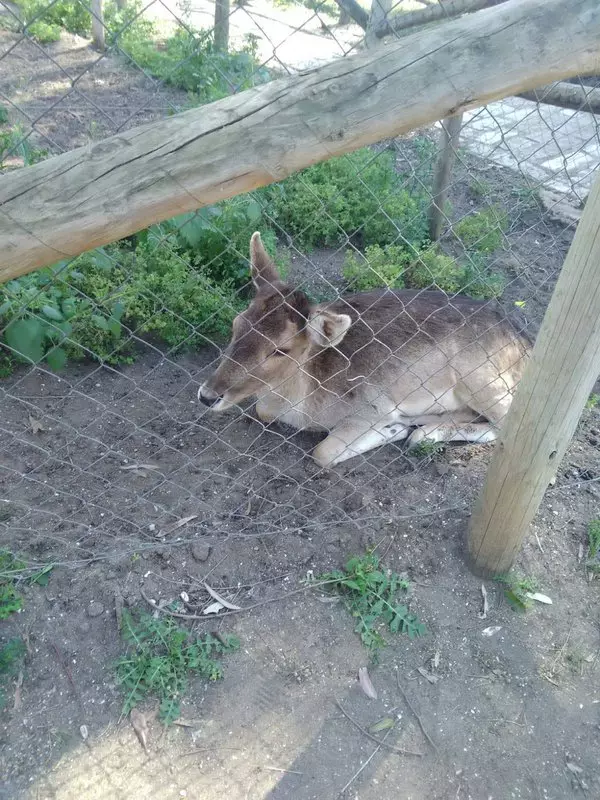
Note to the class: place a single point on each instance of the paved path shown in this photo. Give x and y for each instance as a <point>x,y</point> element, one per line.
<point>556,148</point>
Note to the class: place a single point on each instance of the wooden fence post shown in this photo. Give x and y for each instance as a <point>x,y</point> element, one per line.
<point>221,32</point>
<point>550,398</point>
<point>380,10</point>
<point>98,32</point>
<point>448,143</point>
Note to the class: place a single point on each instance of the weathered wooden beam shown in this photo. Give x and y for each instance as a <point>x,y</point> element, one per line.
<point>445,9</point>
<point>559,377</point>
<point>566,95</point>
<point>111,189</point>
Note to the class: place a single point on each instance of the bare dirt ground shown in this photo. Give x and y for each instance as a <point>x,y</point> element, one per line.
<point>514,715</point>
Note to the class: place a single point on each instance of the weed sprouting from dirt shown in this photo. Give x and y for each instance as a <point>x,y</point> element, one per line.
<point>370,595</point>
<point>516,588</point>
<point>12,655</point>
<point>593,553</point>
<point>160,656</point>
<point>593,401</point>
<point>12,571</point>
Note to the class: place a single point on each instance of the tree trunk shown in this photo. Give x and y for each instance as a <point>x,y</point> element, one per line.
<point>222,25</point>
<point>449,138</point>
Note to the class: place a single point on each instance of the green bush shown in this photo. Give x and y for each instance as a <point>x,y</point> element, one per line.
<point>483,230</point>
<point>42,17</point>
<point>218,236</point>
<point>83,309</point>
<point>358,195</point>
<point>189,61</point>
<point>380,267</point>
<point>436,270</point>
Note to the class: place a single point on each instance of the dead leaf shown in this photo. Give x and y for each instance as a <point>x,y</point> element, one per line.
<point>179,524</point>
<point>435,662</point>
<point>213,608</point>
<point>383,724</point>
<point>574,768</point>
<point>141,470</point>
<point>326,599</point>
<point>541,598</point>
<point>427,675</point>
<point>17,699</point>
<point>580,553</point>
<point>216,596</point>
<point>83,730</point>
<point>483,614</point>
<point>491,630</point>
<point>365,683</point>
<point>185,597</point>
<point>140,726</point>
<point>36,425</point>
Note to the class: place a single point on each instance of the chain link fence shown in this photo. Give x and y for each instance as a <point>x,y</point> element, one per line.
<point>107,451</point>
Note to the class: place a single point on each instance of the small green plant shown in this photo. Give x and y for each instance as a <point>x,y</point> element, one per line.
<point>12,655</point>
<point>483,230</point>
<point>593,401</point>
<point>12,571</point>
<point>480,188</point>
<point>381,266</point>
<point>359,195</point>
<point>370,595</point>
<point>427,449</point>
<point>160,656</point>
<point>516,588</point>
<point>593,553</point>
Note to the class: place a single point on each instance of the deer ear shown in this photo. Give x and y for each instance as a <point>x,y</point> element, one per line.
<point>327,329</point>
<point>262,268</point>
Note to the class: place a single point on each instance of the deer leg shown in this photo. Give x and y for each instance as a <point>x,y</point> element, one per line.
<point>353,437</point>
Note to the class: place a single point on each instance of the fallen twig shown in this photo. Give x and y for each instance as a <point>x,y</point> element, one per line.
<point>280,769</point>
<point>211,617</point>
<point>370,736</point>
<point>416,716</point>
<point>369,759</point>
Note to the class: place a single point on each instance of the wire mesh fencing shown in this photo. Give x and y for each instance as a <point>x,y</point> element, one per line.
<point>107,449</point>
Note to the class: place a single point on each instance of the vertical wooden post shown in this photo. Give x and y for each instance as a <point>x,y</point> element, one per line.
<point>377,19</point>
<point>550,398</point>
<point>449,138</point>
<point>98,32</point>
<point>221,33</point>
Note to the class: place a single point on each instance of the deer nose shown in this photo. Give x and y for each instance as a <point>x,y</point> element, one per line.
<point>208,396</point>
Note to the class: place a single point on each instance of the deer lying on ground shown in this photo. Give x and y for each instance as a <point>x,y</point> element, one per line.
<point>369,368</point>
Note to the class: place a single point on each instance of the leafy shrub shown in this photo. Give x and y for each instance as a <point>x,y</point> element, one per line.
<point>160,656</point>
<point>434,269</point>
<point>189,61</point>
<point>42,17</point>
<point>83,309</point>
<point>482,231</point>
<point>380,267</point>
<point>357,195</point>
<point>13,142</point>
<point>219,236</point>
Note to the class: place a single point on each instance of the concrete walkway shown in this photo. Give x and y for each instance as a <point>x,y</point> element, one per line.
<point>557,149</point>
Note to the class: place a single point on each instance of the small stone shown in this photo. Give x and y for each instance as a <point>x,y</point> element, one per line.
<point>95,609</point>
<point>200,551</point>
<point>83,627</point>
